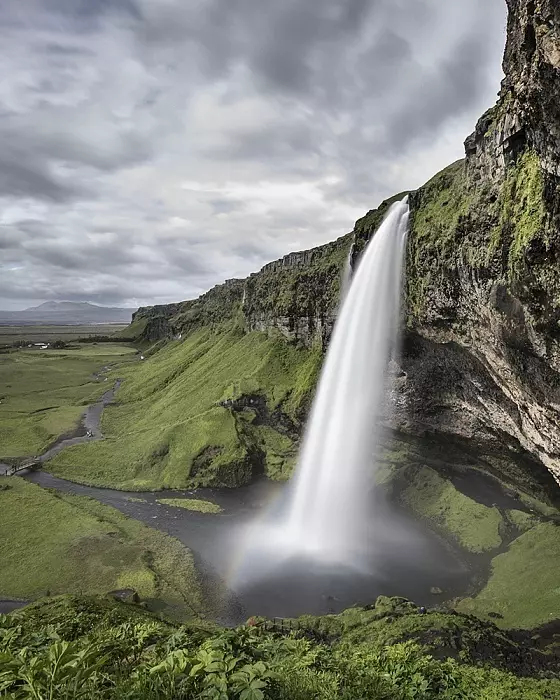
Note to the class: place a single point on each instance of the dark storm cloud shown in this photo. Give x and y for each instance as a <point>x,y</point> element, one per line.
<point>152,148</point>
<point>25,174</point>
<point>447,90</point>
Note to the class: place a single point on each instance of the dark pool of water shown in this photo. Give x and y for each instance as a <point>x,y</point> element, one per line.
<point>405,558</point>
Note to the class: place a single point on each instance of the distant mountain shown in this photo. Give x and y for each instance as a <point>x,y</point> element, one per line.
<point>65,313</point>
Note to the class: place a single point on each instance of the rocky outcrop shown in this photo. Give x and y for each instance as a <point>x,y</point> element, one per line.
<point>297,296</point>
<point>220,304</point>
<point>483,264</point>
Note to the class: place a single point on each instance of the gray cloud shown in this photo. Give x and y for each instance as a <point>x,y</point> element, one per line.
<point>149,150</point>
<point>24,174</point>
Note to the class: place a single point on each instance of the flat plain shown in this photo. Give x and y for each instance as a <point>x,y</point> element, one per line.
<point>43,393</point>
<point>47,334</point>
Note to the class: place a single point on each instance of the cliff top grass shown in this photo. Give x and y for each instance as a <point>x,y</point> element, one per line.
<point>44,393</point>
<point>168,427</point>
<point>63,543</point>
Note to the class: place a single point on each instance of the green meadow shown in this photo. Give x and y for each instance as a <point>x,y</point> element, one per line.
<point>58,543</point>
<point>168,427</point>
<point>43,393</point>
<point>524,585</point>
<point>47,334</point>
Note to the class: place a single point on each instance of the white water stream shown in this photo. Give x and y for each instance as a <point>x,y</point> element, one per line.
<point>329,498</point>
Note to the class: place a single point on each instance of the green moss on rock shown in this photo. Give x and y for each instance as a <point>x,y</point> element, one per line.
<point>523,587</point>
<point>475,526</point>
<point>522,212</point>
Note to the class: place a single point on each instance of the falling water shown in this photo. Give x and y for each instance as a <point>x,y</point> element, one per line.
<point>329,500</point>
<point>326,517</point>
<point>346,276</point>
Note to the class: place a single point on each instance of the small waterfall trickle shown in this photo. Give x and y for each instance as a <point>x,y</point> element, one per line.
<point>346,277</point>
<point>329,496</point>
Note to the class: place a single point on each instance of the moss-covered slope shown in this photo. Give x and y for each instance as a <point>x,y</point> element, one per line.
<point>58,543</point>
<point>216,408</point>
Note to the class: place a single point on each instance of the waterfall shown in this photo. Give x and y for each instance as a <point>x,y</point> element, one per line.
<point>328,502</point>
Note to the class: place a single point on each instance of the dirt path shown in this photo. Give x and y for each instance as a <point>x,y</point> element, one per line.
<point>88,430</point>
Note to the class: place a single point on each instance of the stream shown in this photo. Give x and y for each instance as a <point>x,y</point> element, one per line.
<point>406,557</point>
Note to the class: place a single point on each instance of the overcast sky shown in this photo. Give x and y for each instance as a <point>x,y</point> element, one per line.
<point>150,149</point>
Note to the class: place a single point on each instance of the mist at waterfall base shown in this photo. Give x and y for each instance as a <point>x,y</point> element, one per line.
<point>331,537</point>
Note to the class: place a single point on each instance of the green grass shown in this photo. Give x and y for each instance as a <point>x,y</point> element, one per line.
<point>475,526</point>
<point>168,427</point>
<point>134,329</point>
<point>48,334</point>
<point>191,504</point>
<point>44,393</point>
<point>522,521</point>
<point>524,585</point>
<point>70,544</point>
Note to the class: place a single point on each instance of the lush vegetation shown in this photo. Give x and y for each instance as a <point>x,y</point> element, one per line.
<point>195,504</point>
<point>524,587</point>
<point>475,526</point>
<point>58,543</point>
<point>184,416</point>
<point>71,648</point>
<point>44,393</point>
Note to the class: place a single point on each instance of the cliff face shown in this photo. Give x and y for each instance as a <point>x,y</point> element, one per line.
<point>481,352</point>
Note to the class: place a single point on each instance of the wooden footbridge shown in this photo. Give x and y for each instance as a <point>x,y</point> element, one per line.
<point>31,463</point>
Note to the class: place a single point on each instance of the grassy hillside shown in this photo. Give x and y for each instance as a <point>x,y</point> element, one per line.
<point>91,648</point>
<point>62,543</point>
<point>517,543</point>
<point>170,425</point>
<point>476,527</point>
<point>44,393</point>
<point>524,587</point>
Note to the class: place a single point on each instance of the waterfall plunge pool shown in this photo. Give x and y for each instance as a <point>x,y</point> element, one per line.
<point>407,558</point>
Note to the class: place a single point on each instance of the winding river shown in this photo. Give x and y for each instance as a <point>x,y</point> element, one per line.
<point>409,559</point>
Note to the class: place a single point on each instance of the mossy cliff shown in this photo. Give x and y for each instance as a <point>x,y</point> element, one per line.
<point>481,352</point>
